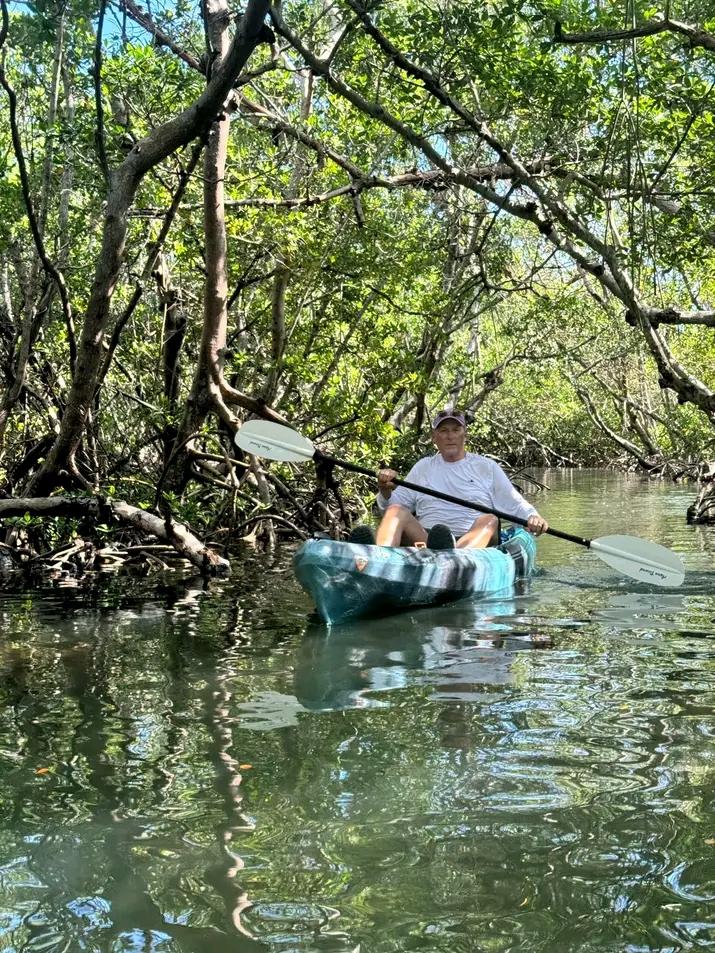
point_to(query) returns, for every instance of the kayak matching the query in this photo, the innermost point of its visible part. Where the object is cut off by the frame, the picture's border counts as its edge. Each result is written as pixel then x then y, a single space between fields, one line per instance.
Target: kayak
pixel 352 580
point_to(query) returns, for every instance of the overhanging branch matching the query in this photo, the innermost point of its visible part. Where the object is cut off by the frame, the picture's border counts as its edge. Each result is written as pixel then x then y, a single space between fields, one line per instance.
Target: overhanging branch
pixel 694 35
pixel 160 37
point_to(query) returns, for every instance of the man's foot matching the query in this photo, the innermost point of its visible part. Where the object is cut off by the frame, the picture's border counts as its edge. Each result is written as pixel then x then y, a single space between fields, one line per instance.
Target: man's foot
pixel 362 534
pixel 440 537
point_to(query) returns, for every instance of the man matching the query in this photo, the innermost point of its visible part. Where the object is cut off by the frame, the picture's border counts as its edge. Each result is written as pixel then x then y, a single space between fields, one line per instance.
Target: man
pixel 409 517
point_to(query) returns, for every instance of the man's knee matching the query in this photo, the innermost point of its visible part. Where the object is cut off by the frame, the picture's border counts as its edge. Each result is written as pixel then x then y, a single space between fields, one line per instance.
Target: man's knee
pixel 487 527
pixel 492 523
pixel 486 522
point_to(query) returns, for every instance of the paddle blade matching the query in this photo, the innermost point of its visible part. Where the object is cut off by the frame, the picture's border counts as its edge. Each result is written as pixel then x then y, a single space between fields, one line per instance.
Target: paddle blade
pixel 274 441
pixel 648 562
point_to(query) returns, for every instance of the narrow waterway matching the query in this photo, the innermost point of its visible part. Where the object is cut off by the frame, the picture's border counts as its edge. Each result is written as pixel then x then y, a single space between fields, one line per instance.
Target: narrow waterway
pixel 191 769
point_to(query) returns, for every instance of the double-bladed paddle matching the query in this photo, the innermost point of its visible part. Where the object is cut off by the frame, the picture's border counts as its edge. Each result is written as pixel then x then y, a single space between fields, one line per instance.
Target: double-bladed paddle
pixel 638 558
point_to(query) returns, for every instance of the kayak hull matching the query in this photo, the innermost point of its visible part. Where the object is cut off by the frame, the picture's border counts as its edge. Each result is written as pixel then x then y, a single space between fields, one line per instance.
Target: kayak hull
pixel 350 580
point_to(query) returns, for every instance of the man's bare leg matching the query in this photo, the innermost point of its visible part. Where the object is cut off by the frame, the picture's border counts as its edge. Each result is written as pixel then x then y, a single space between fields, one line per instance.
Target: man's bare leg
pixel 399 527
pixel 482 533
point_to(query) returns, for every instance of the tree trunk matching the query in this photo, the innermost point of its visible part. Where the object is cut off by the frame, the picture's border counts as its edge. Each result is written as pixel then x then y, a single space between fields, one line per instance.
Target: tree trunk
pixel 702 510
pixel 124 182
pixel 278 332
pixel 172 338
pixel 205 386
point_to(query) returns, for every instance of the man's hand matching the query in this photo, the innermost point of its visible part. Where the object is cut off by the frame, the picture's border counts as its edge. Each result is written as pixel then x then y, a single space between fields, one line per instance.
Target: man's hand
pixel 385 482
pixel 537 524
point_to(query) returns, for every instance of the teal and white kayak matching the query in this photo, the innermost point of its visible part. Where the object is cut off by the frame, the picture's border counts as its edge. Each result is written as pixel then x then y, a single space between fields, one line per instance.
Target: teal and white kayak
pixel 351 580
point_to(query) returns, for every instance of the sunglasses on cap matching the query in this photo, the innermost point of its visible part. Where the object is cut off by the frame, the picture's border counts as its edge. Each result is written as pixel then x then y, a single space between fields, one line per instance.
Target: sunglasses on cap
pixel 449 415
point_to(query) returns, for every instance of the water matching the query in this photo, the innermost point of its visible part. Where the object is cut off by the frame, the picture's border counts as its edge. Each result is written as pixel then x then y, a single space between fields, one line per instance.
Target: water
pixel 189 770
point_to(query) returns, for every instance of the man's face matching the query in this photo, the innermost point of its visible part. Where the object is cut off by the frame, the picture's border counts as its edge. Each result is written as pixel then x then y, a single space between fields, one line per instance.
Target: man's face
pixel 449 438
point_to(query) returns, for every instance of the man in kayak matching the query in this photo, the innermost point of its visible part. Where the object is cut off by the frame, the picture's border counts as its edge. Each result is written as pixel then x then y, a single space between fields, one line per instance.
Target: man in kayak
pixel 409 517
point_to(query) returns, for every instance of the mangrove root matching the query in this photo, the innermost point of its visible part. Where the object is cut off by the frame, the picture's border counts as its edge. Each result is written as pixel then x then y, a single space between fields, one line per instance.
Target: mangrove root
pixel 82 554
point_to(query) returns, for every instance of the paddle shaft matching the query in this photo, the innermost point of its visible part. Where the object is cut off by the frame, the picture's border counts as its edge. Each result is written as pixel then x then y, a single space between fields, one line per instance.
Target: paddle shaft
pixel 479 507
pixel 627 554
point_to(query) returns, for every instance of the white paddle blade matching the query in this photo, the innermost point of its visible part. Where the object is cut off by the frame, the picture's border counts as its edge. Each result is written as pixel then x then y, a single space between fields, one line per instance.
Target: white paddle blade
pixel 648 562
pixel 274 441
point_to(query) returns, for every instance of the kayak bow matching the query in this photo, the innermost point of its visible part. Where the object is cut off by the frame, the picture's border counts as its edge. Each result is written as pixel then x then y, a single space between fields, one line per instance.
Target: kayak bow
pixel 351 581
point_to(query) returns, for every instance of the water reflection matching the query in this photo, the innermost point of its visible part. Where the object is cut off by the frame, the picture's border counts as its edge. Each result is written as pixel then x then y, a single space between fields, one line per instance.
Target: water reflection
pixel 191 768
pixel 454 649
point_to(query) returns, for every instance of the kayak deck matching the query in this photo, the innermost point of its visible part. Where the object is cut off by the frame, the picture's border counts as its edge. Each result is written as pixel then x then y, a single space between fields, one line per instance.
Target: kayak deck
pixel 351 580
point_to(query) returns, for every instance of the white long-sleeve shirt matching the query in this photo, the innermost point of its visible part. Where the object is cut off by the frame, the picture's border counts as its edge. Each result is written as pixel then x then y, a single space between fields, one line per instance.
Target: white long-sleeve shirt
pixel 474 478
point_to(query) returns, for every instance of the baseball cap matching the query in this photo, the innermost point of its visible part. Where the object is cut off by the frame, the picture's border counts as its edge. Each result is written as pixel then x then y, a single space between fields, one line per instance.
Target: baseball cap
pixel 448 415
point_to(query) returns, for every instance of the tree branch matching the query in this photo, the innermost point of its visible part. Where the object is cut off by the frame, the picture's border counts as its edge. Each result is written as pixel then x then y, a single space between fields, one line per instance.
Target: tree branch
pixel 694 35
pixel 609 270
pixel 658 316
pixel 160 38
pixel 151 259
pixel 622 442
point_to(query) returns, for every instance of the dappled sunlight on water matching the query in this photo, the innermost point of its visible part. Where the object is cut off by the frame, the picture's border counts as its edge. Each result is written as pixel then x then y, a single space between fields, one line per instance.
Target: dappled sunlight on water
pixel 194 768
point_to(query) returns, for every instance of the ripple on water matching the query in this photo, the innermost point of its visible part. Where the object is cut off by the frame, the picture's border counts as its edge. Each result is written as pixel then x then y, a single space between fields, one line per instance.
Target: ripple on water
pixel 144 941
pixel 693 880
pixel 297 926
pixel 698 933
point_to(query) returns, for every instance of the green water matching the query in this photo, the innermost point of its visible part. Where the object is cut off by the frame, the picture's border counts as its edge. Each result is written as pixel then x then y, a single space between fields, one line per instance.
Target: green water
pixel 206 769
